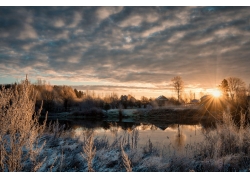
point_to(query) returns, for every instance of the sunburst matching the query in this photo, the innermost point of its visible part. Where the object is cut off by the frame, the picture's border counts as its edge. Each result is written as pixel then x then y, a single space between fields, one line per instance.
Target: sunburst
pixel 216 93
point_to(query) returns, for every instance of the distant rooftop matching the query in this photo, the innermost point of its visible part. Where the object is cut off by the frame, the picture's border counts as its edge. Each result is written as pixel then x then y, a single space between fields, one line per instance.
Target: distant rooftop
pixel 194 101
pixel 162 98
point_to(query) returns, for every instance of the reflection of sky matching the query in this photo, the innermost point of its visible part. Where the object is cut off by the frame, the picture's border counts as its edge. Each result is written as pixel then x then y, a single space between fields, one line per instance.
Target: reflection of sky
pixel 126 49
pixel 188 135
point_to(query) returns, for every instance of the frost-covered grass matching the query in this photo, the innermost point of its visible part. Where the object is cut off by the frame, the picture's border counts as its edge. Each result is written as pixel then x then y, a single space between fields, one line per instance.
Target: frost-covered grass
pixel 25 145
pixel 219 152
pixel 64 152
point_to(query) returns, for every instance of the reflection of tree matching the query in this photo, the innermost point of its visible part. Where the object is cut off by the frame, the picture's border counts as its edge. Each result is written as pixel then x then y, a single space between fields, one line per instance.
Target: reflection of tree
pixel 126 125
pixel 153 127
pixel 130 129
pixel 208 125
pixel 113 129
pixel 145 127
pixel 105 125
pixel 179 138
pixel 195 130
pixel 173 126
pixel 135 137
pixel 179 131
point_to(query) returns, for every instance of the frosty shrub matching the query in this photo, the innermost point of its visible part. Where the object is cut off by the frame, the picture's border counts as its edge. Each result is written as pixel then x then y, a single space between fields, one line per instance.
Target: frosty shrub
pixel 89 149
pixel 19 129
pixel 126 161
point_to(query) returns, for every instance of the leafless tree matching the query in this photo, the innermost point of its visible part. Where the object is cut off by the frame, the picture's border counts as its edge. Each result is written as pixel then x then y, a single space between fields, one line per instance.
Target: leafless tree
pixel 178 85
pixel 236 87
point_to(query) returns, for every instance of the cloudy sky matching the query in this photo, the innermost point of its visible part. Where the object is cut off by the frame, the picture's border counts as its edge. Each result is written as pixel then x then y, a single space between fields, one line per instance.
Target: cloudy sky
pixel 125 49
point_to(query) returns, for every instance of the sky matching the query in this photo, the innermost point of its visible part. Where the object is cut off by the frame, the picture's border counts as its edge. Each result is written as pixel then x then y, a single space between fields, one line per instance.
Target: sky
pixel 125 49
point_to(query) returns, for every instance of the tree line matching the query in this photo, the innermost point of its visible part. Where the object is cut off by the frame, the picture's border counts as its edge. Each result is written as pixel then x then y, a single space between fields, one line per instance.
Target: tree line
pixel 64 98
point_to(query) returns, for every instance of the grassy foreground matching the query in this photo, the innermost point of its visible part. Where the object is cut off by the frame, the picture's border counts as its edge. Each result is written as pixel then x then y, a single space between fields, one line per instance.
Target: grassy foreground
pixel 224 150
pixel 25 145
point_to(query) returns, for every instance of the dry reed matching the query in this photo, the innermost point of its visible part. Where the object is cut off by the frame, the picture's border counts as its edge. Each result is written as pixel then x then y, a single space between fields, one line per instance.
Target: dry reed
pixel 19 128
pixel 89 150
pixel 126 161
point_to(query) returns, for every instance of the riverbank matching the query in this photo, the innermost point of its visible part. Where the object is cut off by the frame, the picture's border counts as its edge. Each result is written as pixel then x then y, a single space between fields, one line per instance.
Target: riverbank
pixel 177 115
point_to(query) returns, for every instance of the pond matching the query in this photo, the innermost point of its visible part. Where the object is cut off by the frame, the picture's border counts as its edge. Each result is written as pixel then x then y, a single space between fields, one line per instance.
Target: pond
pixel 174 137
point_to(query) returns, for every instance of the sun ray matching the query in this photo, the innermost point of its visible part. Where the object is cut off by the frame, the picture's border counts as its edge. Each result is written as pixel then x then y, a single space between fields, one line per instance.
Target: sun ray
pixel 216 93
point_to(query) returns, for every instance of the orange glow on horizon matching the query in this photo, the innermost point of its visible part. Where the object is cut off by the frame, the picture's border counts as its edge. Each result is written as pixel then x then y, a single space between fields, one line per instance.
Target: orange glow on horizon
pixel 216 93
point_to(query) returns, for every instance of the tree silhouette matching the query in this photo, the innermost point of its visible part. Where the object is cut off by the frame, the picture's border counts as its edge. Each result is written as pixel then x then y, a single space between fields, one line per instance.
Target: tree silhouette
pixel 235 87
pixel 224 88
pixel 178 85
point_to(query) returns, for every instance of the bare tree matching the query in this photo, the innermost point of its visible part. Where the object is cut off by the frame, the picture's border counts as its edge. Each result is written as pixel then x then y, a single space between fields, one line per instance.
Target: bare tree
pixel 235 87
pixel 178 85
pixel 224 88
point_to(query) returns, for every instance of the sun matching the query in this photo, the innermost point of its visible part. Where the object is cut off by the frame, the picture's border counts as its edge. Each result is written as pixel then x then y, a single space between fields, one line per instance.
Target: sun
pixel 216 93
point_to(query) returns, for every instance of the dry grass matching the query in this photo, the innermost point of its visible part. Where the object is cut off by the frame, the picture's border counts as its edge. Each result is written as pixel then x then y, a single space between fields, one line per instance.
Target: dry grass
pixel 126 161
pixel 227 139
pixel 89 149
pixel 227 148
pixel 19 128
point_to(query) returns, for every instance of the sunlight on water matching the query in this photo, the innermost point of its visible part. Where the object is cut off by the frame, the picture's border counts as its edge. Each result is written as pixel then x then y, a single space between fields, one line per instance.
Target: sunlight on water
pixel 174 136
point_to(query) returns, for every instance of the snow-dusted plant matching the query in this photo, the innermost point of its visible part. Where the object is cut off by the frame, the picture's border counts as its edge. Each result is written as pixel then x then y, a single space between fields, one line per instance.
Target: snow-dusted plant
pixel 19 128
pixel 126 161
pixel 89 149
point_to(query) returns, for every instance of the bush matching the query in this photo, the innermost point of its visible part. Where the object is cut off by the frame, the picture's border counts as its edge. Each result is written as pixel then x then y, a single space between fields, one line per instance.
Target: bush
pixel 19 128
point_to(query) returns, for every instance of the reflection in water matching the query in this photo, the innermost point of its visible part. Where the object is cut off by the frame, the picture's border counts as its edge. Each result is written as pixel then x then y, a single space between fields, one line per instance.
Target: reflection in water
pixel 161 134
pixel 180 141
pixel 144 127
pixel 173 126
pixel 179 138
pixel 114 129
pixel 153 127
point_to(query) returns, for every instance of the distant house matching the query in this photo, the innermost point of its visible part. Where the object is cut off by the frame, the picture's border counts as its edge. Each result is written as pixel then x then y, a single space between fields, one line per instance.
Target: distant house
pixel 194 101
pixel 161 100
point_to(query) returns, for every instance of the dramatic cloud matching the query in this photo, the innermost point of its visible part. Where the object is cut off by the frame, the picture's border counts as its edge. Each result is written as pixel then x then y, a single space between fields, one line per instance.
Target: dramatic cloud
pixel 125 46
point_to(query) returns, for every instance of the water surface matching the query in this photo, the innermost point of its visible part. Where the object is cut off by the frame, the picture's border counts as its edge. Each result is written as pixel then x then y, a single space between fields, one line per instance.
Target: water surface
pixel 169 136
